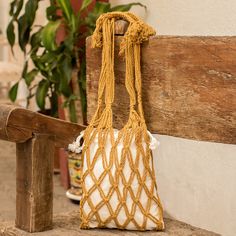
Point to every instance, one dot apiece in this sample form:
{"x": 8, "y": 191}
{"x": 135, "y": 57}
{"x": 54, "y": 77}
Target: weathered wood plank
{"x": 18, "y": 125}
{"x": 189, "y": 86}
{"x": 68, "y": 224}
{"x": 34, "y": 183}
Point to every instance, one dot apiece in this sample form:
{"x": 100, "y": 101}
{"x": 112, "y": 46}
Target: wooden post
{"x": 34, "y": 183}
{"x": 36, "y": 136}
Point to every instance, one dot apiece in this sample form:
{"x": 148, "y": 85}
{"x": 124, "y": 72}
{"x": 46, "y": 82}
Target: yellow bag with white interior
{"x": 118, "y": 179}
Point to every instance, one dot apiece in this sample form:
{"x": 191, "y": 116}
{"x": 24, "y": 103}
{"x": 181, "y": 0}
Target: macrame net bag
{"x": 118, "y": 179}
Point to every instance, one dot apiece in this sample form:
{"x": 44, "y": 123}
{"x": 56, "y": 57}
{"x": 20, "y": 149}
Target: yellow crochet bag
{"x": 118, "y": 179}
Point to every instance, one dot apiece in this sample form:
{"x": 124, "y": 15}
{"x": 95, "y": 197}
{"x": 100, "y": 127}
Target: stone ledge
{"x": 68, "y": 225}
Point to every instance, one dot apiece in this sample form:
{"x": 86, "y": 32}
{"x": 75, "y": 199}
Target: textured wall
{"x": 188, "y": 17}
{"x": 18, "y": 58}
{"x": 197, "y": 180}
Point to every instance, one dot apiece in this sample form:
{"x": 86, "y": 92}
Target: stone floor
{"x": 7, "y": 186}
{"x": 64, "y": 223}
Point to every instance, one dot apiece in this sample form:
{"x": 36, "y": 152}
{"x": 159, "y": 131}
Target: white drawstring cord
{"x": 75, "y": 146}
{"x": 153, "y": 142}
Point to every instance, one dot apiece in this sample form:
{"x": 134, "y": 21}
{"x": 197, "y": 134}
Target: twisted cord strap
{"x": 103, "y": 36}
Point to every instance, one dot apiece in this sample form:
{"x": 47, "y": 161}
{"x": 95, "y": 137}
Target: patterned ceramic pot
{"x": 74, "y": 164}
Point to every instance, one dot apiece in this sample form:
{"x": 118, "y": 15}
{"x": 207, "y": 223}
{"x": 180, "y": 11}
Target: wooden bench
{"x": 189, "y": 86}
{"x": 189, "y": 91}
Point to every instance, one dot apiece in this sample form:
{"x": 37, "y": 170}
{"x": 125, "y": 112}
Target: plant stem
{"x": 72, "y": 111}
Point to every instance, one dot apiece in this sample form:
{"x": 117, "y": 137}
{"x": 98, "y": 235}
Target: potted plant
{"x": 57, "y": 52}
{"x": 56, "y": 49}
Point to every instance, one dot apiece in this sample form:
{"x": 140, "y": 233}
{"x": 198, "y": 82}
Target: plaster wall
{"x": 197, "y": 180}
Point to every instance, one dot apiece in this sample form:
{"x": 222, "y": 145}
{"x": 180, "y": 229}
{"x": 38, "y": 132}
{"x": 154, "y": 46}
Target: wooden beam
{"x": 5, "y": 110}
{"x": 34, "y": 183}
{"x": 189, "y": 86}
{"x": 18, "y": 125}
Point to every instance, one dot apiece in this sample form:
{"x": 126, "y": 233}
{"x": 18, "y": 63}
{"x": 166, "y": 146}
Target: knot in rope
{"x": 137, "y": 32}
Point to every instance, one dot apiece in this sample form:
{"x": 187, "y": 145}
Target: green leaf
{"x": 11, "y": 34}
{"x": 35, "y": 40}
{"x": 30, "y": 76}
{"x": 48, "y": 57}
{"x": 66, "y": 8}
{"x": 54, "y": 104}
{"x": 65, "y": 70}
{"x": 19, "y": 6}
{"x": 127, "y": 7}
{"x": 68, "y": 14}
{"x": 49, "y": 35}
{"x": 12, "y": 7}
{"x": 41, "y": 93}
{"x": 15, "y": 8}
{"x": 37, "y": 63}
{"x": 64, "y": 87}
{"x": 25, "y": 69}
{"x": 73, "y": 24}
{"x": 72, "y": 111}
{"x": 30, "y": 11}
{"x": 101, "y": 7}
{"x": 85, "y": 4}
{"x": 25, "y": 21}
{"x": 23, "y": 32}
{"x": 13, "y": 92}
{"x": 69, "y": 41}
{"x": 52, "y": 13}
{"x": 55, "y": 76}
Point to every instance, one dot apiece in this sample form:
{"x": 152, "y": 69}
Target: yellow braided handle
{"x": 104, "y": 37}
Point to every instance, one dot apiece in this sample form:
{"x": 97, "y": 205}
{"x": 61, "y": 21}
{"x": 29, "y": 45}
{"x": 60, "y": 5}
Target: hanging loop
{"x": 104, "y": 36}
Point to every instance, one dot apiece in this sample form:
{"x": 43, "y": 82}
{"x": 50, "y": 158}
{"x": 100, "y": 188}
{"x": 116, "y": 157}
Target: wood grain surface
{"x": 189, "y": 86}
{"x": 34, "y": 183}
{"x": 18, "y": 125}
